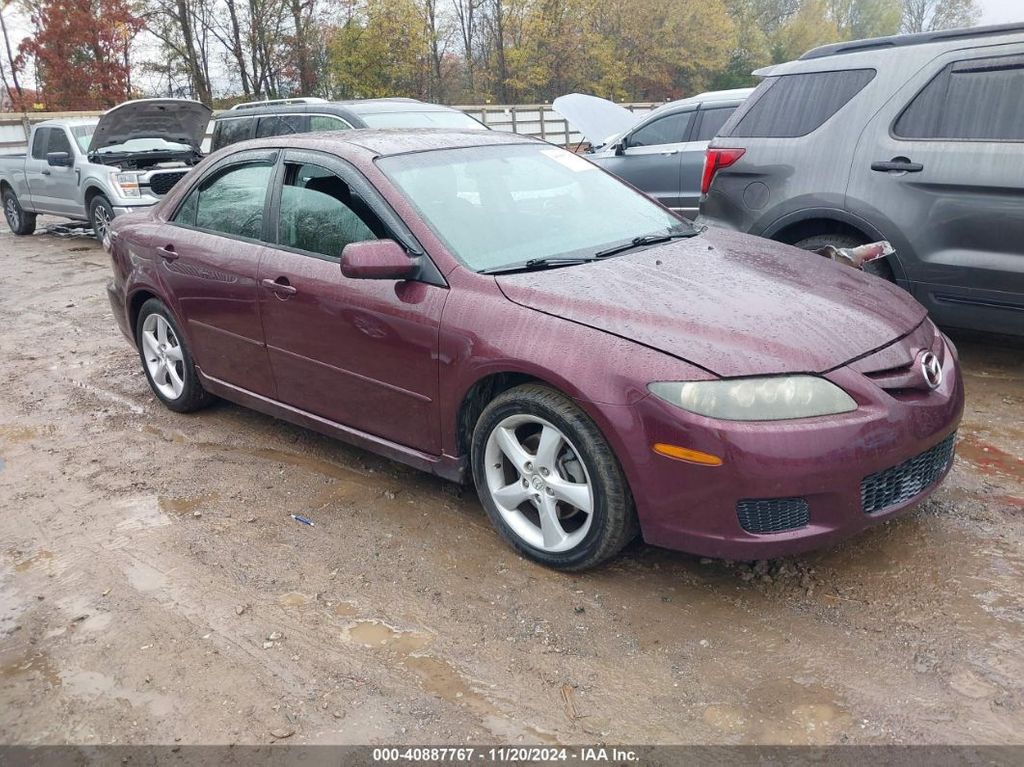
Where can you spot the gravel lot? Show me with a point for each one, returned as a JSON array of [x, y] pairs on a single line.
[[153, 588]]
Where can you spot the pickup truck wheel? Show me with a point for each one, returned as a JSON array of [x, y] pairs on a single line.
[[101, 213], [167, 361], [19, 221]]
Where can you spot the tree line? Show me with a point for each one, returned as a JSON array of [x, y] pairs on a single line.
[[92, 54]]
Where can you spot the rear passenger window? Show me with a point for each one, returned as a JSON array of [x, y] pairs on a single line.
[[790, 106], [978, 100], [232, 203], [280, 125], [320, 214], [670, 129], [230, 130], [711, 121], [327, 122]]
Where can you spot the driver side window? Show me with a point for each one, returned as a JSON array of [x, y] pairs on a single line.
[[670, 129]]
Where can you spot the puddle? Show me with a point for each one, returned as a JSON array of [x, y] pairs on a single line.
[[345, 609], [439, 677], [144, 578], [93, 685], [184, 506], [41, 557], [141, 513], [989, 458], [294, 599], [37, 666], [15, 434]]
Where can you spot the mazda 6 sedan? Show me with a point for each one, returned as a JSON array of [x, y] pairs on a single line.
[[491, 308]]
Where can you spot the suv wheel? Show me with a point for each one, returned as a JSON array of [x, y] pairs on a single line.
[[549, 481], [166, 360], [18, 220]]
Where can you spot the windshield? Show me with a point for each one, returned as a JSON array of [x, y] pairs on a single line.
[[144, 145], [497, 206], [83, 135], [432, 119]]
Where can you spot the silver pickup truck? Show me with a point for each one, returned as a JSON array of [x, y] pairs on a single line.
[[93, 169]]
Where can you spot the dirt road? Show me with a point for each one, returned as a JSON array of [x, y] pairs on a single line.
[[154, 589]]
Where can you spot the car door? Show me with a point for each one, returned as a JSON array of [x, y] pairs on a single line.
[[58, 184], [938, 170], [36, 173], [362, 353], [651, 157], [209, 252]]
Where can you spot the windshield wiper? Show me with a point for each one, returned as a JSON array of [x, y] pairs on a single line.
[[644, 240], [535, 264]]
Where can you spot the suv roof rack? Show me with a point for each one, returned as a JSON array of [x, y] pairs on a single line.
[[279, 102], [919, 38]]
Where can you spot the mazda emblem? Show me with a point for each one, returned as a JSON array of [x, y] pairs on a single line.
[[931, 369]]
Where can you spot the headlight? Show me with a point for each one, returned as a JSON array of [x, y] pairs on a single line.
[[757, 399], [126, 183]]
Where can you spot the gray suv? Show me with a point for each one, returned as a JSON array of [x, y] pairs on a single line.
[[916, 139]]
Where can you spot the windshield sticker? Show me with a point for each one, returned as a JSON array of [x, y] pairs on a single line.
[[569, 160]]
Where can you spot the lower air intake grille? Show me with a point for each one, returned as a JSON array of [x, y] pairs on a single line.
[[772, 515], [890, 487], [161, 183]]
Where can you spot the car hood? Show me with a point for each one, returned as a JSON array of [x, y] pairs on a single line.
[[596, 118], [177, 120], [730, 303]]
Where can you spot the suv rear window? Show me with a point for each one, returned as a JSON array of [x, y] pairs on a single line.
[[789, 106], [977, 100], [230, 130]]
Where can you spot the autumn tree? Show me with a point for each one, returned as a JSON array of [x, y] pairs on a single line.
[[81, 52], [932, 15]]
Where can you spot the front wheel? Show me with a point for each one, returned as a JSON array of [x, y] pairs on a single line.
[[18, 220], [101, 213], [549, 481], [166, 360]]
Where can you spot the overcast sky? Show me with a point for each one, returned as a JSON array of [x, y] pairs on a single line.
[[1001, 11]]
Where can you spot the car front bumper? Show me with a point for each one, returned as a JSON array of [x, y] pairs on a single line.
[[816, 464]]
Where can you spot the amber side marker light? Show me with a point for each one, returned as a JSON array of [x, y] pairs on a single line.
[[685, 454]]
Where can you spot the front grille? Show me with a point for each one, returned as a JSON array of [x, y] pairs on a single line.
[[889, 487], [161, 183], [772, 515]]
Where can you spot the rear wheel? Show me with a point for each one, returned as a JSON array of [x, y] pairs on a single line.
[[166, 360], [549, 481], [101, 213], [18, 220]]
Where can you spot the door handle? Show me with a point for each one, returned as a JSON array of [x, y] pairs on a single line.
[[897, 165], [44, 172], [167, 252], [670, 152], [282, 288]]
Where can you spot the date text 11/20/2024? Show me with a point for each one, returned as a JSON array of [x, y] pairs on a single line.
[[456, 755]]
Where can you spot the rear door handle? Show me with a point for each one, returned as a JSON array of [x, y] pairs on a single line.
[[897, 165], [44, 172], [283, 288], [167, 252]]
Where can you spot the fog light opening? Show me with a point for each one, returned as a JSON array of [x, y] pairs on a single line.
[[686, 455]]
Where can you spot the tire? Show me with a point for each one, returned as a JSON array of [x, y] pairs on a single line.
[[819, 241], [880, 268], [101, 213], [156, 335], [20, 222], [574, 461]]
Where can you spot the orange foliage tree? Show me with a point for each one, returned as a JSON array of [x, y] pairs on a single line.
[[81, 50]]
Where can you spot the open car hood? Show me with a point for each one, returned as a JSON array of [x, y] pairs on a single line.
[[178, 120], [596, 118], [732, 304]]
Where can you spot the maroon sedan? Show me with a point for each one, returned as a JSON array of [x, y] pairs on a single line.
[[479, 304]]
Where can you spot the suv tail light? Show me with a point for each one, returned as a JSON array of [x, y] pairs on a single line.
[[714, 160]]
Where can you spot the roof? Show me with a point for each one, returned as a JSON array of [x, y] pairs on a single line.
[[920, 38], [390, 141]]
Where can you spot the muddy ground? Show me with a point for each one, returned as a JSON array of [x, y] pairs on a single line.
[[153, 588]]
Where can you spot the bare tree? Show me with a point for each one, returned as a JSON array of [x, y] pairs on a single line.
[[933, 15]]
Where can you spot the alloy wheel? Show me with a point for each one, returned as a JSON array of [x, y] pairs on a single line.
[[12, 213], [162, 351], [539, 483], [100, 221]]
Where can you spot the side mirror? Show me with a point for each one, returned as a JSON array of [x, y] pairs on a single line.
[[620, 147], [58, 159], [377, 260]]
